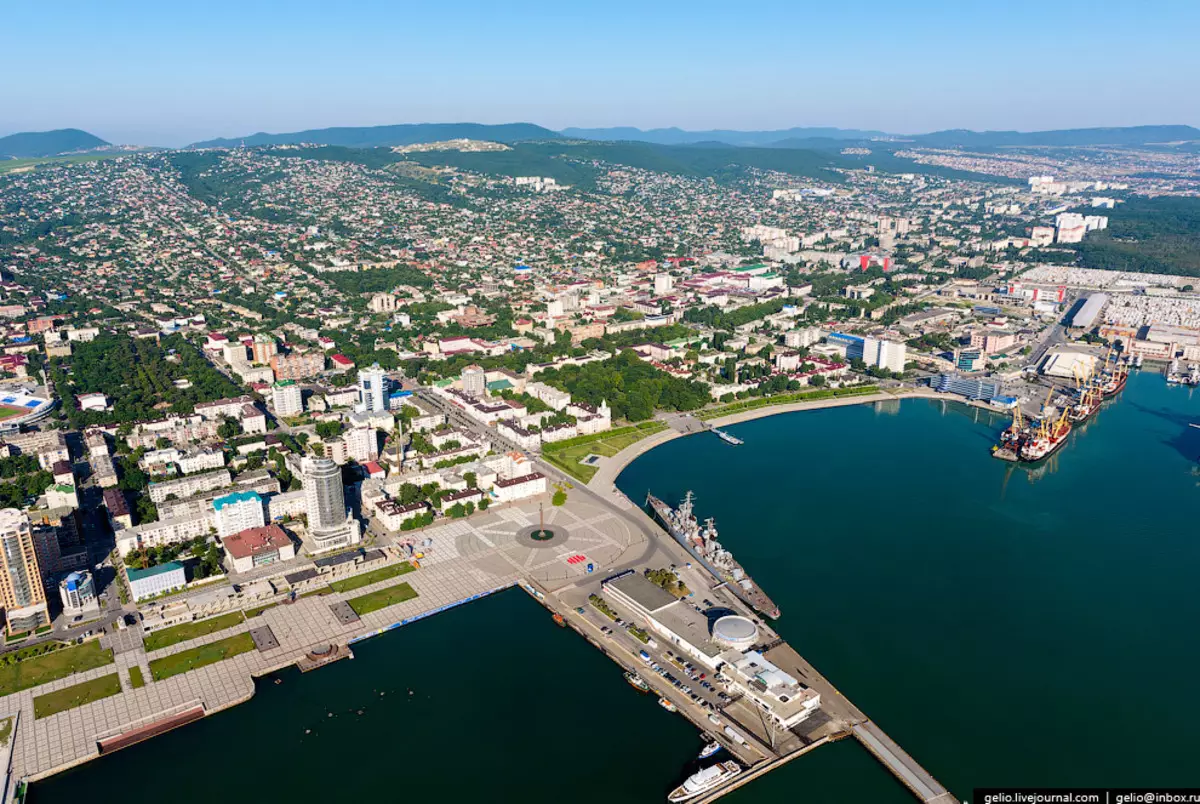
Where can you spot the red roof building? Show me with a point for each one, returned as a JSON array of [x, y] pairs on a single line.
[[256, 547]]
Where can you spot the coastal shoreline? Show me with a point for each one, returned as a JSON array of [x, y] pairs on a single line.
[[605, 479]]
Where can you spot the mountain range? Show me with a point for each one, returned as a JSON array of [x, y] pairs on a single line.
[[810, 137], [70, 140], [678, 136], [37, 144], [379, 136], [804, 137]]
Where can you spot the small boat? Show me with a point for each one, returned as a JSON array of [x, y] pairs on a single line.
[[709, 749], [559, 621], [637, 682], [727, 438], [665, 704], [703, 781]]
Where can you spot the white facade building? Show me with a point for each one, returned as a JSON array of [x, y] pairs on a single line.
[[518, 488], [287, 398], [372, 389], [156, 580], [884, 354], [362, 444], [239, 511]]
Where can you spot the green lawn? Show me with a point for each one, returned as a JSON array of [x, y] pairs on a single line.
[[7, 412], [195, 658], [374, 576], [186, 631], [135, 677], [70, 697], [52, 666], [381, 598], [320, 591], [257, 610], [568, 456], [5, 731]]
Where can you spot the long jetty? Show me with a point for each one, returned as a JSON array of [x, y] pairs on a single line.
[[905, 768]]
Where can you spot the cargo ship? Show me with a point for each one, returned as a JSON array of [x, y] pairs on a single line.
[[701, 543], [1047, 439], [1113, 382], [1091, 394]]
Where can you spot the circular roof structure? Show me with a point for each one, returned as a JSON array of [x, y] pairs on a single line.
[[735, 631]]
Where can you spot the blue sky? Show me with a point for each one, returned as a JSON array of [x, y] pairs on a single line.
[[163, 73]]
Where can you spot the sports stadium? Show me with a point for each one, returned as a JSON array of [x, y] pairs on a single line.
[[23, 405]]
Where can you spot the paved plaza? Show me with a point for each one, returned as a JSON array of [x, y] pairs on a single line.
[[463, 558]]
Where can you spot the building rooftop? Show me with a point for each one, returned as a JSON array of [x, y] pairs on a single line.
[[235, 498], [139, 574], [684, 621], [643, 592], [252, 541]]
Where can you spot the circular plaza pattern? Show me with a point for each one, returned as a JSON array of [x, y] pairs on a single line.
[[536, 537]]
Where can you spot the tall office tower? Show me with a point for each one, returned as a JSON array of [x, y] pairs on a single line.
[[329, 524], [21, 588], [372, 389]]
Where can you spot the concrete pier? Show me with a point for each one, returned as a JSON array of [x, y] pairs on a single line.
[[905, 768]]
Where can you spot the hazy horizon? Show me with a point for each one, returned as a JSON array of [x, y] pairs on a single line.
[[134, 72]]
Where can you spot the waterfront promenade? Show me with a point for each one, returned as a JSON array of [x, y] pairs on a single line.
[[468, 558]]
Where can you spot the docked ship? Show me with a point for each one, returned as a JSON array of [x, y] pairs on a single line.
[[727, 438], [705, 780], [709, 749], [1113, 381], [665, 704], [637, 682], [1049, 437], [1174, 374], [701, 543], [1091, 394], [1013, 435]]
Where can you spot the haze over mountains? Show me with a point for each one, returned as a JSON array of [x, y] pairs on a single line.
[[64, 141], [37, 144], [406, 134], [678, 136]]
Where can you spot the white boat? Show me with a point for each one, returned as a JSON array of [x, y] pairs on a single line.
[[703, 781], [1174, 375], [709, 749]]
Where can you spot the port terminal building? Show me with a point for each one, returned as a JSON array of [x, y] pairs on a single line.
[[719, 640]]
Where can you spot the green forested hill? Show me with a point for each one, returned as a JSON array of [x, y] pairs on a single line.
[[33, 144], [1148, 235]]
